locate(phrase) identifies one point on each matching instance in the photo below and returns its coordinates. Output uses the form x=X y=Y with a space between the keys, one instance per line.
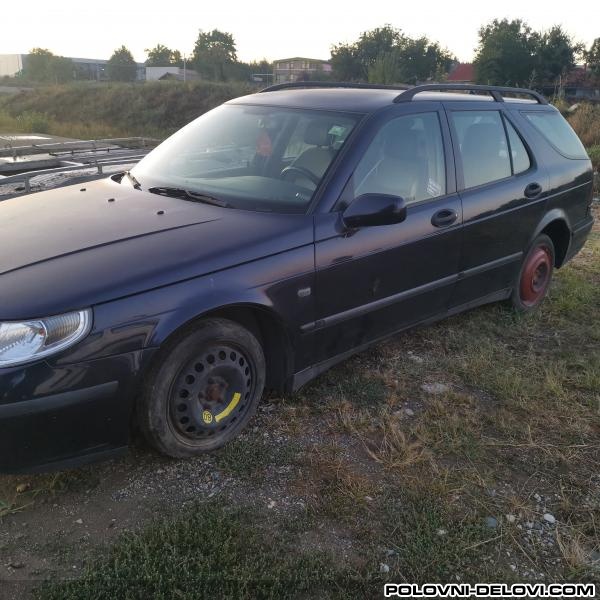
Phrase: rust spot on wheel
x=536 y=276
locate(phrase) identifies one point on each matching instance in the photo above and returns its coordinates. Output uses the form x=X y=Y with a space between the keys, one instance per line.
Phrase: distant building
x=11 y=64
x=170 y=73
x=298 y=69
x=580 y=83
x=84 y=68
x=462 y=73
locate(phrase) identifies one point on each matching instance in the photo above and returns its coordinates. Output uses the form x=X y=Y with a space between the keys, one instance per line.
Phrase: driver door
x=375 y=280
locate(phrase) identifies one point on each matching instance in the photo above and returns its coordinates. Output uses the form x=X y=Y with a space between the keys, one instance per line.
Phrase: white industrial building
x=11 y=64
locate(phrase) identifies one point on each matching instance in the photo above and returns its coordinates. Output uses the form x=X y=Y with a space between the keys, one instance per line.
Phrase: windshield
x=250 y=157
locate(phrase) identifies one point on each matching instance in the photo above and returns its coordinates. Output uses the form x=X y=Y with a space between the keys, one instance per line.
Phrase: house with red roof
x=462 y=73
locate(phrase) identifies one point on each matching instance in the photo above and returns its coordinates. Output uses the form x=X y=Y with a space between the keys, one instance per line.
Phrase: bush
x=594 y=154
x=33 y=122
x=27 y=122
x=586 y=123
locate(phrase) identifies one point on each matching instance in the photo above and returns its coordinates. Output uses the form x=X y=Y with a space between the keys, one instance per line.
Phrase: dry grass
x=18 y=493
x=586 y=123
x=388 y=444
x=333 y=485
x=34 y=122
x=86 y=110
x=515 y=433
x=575 y=550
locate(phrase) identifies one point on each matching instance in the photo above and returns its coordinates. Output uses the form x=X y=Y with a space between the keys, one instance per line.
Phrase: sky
x=268 y=29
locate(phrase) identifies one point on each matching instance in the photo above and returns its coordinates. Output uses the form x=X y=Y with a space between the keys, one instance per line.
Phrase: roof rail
x=495 y=91
x=331 y=84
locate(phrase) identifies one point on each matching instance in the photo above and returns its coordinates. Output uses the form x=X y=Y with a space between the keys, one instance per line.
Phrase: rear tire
x=204 y=389
x=535 y=276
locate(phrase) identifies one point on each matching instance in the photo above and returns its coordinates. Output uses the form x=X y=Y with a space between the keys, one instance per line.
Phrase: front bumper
x=57 y=416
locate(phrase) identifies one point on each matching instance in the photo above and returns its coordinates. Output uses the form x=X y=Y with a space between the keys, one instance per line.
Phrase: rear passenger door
x=503 y=190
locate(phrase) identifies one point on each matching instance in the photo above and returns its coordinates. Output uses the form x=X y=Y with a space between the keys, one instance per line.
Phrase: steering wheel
x=300 y=171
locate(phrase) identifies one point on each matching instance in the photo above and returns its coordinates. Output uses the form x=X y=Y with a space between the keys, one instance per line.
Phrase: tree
x=176 y=58
x=353 y=61
x=592 y=57
x=376 y=43
x=385 y=69
x=42 y=65
x=345 y=64
x=556 y=54
x=213 y=53
x=386 y=55
x=121 y=66
x=506 y=53
x=421 y=60
x=161 y=56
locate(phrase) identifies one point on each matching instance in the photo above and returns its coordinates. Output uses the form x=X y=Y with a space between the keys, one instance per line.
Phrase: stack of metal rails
x=29 y=168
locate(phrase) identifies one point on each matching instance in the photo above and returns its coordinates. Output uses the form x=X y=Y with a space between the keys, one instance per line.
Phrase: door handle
x=533 y=190
x=444 y=217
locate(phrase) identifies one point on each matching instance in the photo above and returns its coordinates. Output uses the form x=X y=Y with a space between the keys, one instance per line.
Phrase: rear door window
x=558 y=132
x=483 y=147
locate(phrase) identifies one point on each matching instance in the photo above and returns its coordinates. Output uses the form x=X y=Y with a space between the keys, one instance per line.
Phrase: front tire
x=204 y=389
x=535 y=276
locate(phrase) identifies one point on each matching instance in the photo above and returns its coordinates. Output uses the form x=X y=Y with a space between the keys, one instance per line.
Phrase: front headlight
x=22 y=342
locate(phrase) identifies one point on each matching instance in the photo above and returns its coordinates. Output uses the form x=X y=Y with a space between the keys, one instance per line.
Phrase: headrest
x=317 y=133
x=402 y=143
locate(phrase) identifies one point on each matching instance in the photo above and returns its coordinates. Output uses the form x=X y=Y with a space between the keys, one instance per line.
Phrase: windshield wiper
x=189 y=195
x=136 y=184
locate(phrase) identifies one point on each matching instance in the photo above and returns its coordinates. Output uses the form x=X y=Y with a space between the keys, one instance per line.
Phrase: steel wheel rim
x=536 y=276
x=211 y=393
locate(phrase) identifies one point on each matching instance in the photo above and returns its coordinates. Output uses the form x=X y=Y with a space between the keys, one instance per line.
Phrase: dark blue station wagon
x=265 y=241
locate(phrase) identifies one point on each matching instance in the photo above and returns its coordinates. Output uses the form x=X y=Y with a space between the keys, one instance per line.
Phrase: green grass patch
x=346 y=384
x=249 y=455
x=452 y=425
x=208 y=551
x=432 y=546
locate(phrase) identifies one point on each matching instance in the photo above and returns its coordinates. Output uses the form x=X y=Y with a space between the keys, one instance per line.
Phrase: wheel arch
x=263 y=322
x=555 y=225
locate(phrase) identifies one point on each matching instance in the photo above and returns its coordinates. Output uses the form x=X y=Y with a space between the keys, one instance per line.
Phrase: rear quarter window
x=558 y=132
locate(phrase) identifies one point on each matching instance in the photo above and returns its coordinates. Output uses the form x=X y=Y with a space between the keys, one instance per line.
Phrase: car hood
x=77 y=246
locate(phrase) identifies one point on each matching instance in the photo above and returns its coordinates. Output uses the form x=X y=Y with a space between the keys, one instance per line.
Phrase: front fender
x=146 y=320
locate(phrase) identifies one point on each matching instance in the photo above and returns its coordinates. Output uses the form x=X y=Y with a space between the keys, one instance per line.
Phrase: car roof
x=338 y=99
x=357 y=100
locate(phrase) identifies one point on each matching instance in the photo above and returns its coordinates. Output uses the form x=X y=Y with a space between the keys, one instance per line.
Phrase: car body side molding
x=383 y=302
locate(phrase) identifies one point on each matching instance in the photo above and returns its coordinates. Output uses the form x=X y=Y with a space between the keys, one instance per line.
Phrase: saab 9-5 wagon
x=264 y=242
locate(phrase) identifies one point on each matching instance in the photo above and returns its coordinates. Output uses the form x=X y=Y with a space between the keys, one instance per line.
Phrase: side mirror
x=374 y=209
